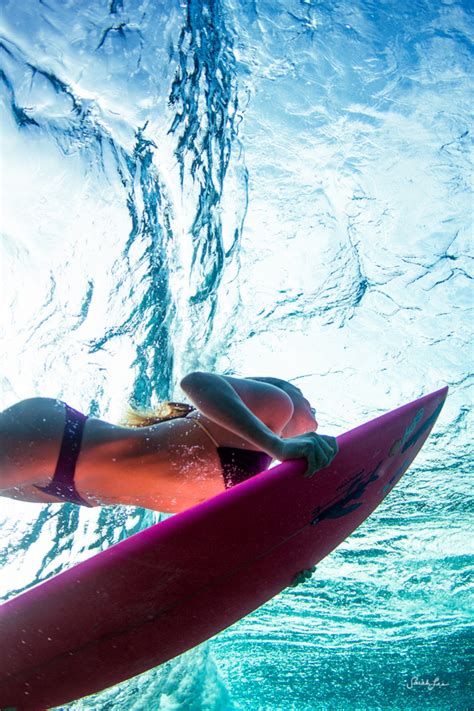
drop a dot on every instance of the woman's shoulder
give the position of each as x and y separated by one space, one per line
266 400
269 403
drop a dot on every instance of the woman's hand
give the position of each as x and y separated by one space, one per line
319 450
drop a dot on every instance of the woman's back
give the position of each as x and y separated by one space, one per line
167 466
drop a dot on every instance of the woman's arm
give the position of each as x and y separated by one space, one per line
218 400
277 382
221 398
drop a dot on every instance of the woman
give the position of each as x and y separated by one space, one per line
51 453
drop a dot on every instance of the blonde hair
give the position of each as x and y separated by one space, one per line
164 411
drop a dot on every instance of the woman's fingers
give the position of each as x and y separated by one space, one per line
302 576
319 450
322 453
317 459
330 445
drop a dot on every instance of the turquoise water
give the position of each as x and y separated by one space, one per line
258 188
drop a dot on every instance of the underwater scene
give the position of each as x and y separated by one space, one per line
254 188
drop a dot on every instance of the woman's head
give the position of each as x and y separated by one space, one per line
304 415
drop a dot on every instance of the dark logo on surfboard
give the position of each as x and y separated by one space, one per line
344 506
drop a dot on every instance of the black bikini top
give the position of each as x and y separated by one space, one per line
238 464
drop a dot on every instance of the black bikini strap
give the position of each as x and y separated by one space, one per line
62 484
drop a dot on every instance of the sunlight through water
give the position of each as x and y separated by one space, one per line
254 188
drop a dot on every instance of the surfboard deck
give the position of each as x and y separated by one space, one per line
172 586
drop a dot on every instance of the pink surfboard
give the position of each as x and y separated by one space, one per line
181 581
